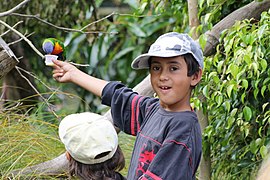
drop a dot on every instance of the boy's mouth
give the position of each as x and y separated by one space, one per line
164 87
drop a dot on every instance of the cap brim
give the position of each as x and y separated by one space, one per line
141 62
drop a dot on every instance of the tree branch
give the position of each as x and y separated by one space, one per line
252 10
14 9
64 28
24 38
12 27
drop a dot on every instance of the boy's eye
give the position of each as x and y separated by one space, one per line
155 68
173 68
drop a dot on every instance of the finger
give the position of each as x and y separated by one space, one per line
58 79
58 63
58 71
57 75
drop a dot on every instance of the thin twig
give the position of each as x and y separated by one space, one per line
75 64
61 28
31 74
12 27
14 42
14 9
106 17
45 100
22 36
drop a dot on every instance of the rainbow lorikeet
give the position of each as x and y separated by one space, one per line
55 47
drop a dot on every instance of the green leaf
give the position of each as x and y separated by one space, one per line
245 83
243 97
247 59
262 90
229 90
260 131
123 52
255 93
261 30
220 66
233 70
253 147
264 105
219 100
263 151
247 113
231 120
246 131
258 141
255 67
203 40
228 106
137 31
233 112
263 63
205 91
207 16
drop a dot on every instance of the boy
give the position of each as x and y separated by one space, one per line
92 149
168 144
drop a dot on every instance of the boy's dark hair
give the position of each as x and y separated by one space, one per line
192 65
101 171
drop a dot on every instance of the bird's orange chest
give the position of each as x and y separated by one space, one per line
57 48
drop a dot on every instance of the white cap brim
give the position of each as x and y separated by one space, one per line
142 61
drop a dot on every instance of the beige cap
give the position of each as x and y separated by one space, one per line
86 135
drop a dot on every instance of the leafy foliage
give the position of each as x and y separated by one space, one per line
212 11
236 86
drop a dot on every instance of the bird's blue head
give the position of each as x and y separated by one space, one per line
48 47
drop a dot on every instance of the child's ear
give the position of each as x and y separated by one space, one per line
68 156
195 78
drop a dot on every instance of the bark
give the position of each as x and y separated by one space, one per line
252 10
193 17
55 166
205 164
7 59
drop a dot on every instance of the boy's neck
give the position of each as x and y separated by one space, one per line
186 107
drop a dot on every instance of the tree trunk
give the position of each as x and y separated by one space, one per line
252 10
7 58
205 165
193 17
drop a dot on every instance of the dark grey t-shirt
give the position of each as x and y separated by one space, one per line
168 144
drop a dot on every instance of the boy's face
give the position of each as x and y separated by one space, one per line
170 81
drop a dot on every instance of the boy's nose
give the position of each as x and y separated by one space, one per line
163 76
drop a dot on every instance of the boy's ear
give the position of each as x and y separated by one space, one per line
68 156
195 79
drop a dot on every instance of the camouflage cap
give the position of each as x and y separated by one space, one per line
170 45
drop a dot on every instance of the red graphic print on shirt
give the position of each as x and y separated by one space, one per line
146 157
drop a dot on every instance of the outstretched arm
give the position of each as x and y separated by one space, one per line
65 72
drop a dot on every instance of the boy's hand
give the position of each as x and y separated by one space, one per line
63 71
